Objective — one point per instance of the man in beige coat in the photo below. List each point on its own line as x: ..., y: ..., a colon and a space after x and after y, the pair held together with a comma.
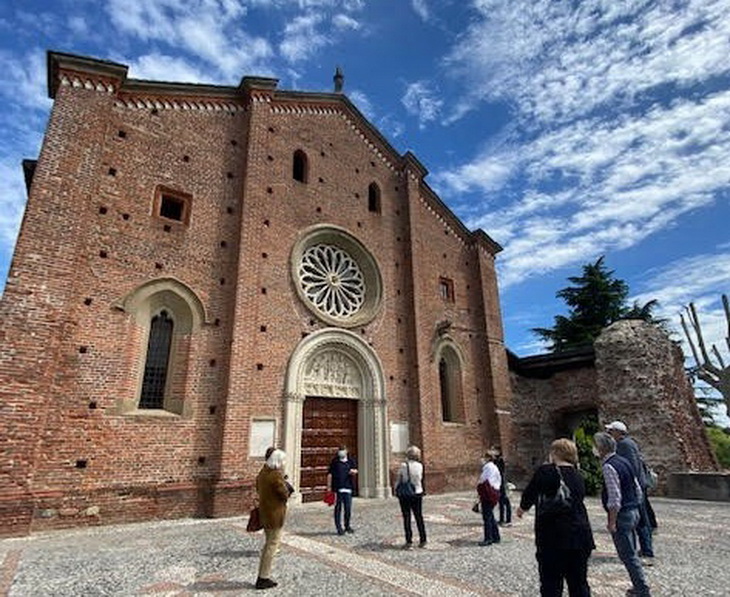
x: 273, y: 495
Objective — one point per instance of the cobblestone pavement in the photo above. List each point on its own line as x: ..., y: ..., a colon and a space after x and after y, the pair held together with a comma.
x: 218, y: 557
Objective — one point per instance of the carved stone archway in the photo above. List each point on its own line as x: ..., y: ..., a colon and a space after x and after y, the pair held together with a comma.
x: 337, y: 363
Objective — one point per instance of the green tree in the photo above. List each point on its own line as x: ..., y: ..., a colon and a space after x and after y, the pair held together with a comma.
x: 589, y: 464
x: 595, y: 299
x: 720, y: 440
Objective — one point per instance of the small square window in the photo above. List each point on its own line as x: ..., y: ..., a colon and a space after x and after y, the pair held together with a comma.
x: 446, y: 289
x: 172, y: 205
x: 172, y: 208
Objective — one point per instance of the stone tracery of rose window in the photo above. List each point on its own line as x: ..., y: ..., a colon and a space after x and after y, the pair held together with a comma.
x: 332, y: 280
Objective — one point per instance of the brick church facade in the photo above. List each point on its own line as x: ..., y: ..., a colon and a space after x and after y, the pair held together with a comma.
x: 203, y: 271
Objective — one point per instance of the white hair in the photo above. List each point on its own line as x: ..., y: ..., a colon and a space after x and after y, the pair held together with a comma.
x: 413, y: 453
x: 604, y: 443
x: 277, y: 459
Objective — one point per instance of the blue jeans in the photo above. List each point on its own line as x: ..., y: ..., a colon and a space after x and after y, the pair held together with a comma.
x: 491, y: 530
x: 625, y: 542
x: 643, y: 530
x: 344, y: 498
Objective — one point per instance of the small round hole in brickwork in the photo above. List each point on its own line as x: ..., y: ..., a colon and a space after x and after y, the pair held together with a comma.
x: 112, y: 171
x: 319, y: 210
x: 397, y: 292
x: 102, y: 254
x: 357, y: 195
x: 122, y: 134
x: 222, y: 281
x: 262, y: 328
x: 397, y: 239
x: 167, y: 227
x: 264, y: 255
x: 224, y: 244
x: 211, y: 362
x: 270, y: 158
x: 397, y: 212
x: 397, y: 189
x: 102, y: 210
x: 211, y: 410
x: 271, y: 129
x: 234, y: 142
x: 397, y: 264
x: 201, y: 459
x: 359, y: 224
x: 87, y: 301
x: 321, y: 179
x: 260, y: 366
x: 321, y: 153
x: 154, y: 111
x: 186, y: 158
x: 158, y: 265
x: 263, y: 291
x: 392, y: 378
x: 125, y: 217
x: 81, y: 463
x: 92, y: 405
x: 229, y: 210
x: 372, y: 164
x: 269, y: 190
x: 217, y: 322
x: 400, y: 350
x: 229, y: 175
x: 357, y: 170
x: 312, y: 322
x: 444, y: 255
x: 83, y: 349
x: 405, y: 382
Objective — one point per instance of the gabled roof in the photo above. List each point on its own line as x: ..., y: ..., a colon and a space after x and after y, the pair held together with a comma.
x: 112, y: 77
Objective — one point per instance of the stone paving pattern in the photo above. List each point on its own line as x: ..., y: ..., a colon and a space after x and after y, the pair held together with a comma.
x: 218, y: 557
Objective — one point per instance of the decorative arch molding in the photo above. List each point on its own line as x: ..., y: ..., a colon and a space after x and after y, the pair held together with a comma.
x: 154, y: 295
x: 337, y: 363
x: 182, y: 306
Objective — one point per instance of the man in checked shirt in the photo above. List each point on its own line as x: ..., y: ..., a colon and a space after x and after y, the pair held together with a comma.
x: 621, y: 497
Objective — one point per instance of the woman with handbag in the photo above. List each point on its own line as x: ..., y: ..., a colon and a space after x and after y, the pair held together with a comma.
x: 273, y: 495
x: 409, y: 489
x: 488, y: 487
x: 562, y: 531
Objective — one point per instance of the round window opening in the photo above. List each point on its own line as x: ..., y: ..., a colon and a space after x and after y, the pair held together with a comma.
x: 332, y: 280
x: 336, y: 277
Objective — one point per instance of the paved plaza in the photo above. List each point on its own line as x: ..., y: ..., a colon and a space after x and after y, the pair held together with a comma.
x: 218, y: 557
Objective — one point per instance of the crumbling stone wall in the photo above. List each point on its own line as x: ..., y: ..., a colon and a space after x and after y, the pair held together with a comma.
x: 641, y: 381
x: 637, y: 377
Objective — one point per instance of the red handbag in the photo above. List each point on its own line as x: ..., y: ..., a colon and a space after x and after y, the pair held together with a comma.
x: 329, y: 498
x: 254, y: 521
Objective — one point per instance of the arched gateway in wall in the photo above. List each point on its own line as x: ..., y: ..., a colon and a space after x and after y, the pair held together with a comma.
x: 340, y: 375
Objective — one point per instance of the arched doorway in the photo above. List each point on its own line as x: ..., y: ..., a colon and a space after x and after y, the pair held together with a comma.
x: 340, y: 379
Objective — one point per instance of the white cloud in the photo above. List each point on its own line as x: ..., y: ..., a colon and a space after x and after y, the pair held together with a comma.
x: 302, y: 38
x: 420, y: 100
x: 159, y: 67
x: 610, y: 143
x: 211, y: 30
x: 343, y: 22
x: 555, y: 62
x: 363, y: 103
x: 421, y: 9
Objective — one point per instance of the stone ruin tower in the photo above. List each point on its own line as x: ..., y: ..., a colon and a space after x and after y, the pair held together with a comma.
x: 641, y: 381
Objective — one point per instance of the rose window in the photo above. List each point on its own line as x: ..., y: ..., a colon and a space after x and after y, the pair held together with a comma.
x: 332, y: 280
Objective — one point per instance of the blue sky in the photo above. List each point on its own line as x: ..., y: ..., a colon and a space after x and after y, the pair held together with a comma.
x: 566, y: 130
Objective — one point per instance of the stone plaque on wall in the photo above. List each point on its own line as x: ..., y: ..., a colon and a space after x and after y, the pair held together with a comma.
x: 398, y: 437
x: 263, y: 434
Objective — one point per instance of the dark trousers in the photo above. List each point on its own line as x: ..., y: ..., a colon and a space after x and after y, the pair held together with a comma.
x: 505, y: 508
x: 491, y: 530
x: 413, y: 504
x: 344, y: 501
x: 558, y: 565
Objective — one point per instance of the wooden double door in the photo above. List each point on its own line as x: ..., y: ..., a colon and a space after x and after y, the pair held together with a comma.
x: 327, y: 424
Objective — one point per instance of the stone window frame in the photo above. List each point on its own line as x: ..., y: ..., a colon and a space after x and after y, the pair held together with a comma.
x: 188, y: 315
x: 449, y: 362
x: 327, y: 234
x: 186, y: 199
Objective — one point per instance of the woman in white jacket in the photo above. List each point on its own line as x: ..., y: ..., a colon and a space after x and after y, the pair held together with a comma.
x: 412, y: 471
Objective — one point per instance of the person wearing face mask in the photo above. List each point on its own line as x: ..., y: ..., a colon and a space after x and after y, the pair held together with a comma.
x: 564, y: 539
x: 341, y: 481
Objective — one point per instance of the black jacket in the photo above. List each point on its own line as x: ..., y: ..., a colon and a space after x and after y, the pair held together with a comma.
x: 565, y: 531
